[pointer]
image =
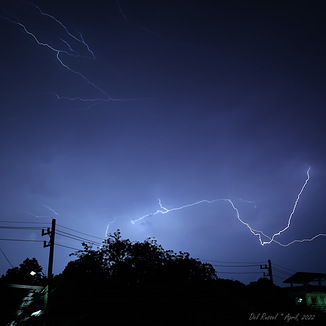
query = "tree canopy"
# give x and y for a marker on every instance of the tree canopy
(124, 263)
(29, 272)
(129, 282)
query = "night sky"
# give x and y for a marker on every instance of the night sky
(124, 102)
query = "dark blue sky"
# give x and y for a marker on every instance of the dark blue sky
(182, 101)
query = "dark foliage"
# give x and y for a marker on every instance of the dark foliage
(29, 272)
(13, 297)
(135, 281)
(121, 263)
(140, 283)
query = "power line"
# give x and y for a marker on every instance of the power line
(90, 235)
(77, 238)
(28, 240)
(21, 227)
(61, 245)
(285, 268)
(233, 262)
(238, 272)
(218, 265)
(25, 222)
(281, 271)
(6, 257)
(37, 228)
(40, 227)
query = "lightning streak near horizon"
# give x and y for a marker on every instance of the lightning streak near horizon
(258, 233)
(107, 228)
(67, 51)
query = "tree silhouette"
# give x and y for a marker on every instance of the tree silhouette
(140, 278)
(123, 263)
(29, 272)
(140, 283)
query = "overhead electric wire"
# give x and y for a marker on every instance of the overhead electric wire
(233, 262)
(28, 240)
(218, 265)
(82, 241)
(275, 269)
(285, 268)
(21, 227)
(235, 265)
(7, 259)
(238, 272)
(58, 232)
(61, 245)
(25, 222)
(71, 229)
(45, 225)
(77, 238)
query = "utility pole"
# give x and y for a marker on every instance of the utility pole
(270, 272)
(269, 268)
(51, 233)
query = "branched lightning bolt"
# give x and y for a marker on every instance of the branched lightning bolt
(272, 238)
(70, 52)
(292, 212)
(165, 210)
(258, 233)
(80, 39)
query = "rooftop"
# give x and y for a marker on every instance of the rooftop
(305, 278)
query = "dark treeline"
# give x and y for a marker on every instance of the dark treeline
(131, 283)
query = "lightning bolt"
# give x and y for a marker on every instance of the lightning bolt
(80, 39)
(44, 216)
(165, 210)
(107, 228)
(258, 233)
(52, 210)
(120, 10)
(132, 21)
(292, 212)
(60, 53)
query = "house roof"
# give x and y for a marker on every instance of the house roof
(304, 278)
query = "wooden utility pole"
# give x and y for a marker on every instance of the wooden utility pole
(48, 288)
(270, 272)
(51, 233)
(269, 268)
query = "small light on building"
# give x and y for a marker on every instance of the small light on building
(32, 273)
